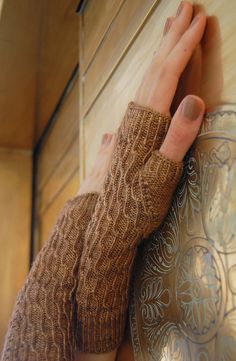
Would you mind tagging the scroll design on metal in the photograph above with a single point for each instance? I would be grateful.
(183, 296)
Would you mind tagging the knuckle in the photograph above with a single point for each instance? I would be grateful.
(175, 136)
(179, 134)
(180, 138)
(164, 70)
(185, 43)
(177, 29)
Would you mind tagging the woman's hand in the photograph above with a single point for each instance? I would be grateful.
(180, 38)
(145, 168)
(95, 179)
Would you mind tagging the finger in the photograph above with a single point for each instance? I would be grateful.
(183, 50)
(193, 73)
(174, 29)
(167, 26)
(170, 71)
(190, 81)
(184, 128)
(106, 139)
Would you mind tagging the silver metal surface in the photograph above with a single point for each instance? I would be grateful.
(183, 299)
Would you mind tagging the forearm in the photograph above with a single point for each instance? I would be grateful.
(145, 177)
(42, 322)
(135, 198)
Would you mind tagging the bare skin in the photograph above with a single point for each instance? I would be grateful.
(94, 181)
(157, 90)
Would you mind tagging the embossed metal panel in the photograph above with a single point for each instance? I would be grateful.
(183, 299)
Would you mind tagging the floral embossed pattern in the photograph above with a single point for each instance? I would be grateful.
(154, 297)
(183, 298)
(199, 291)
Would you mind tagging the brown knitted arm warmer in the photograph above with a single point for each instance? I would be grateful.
(135, 198)
(42, 324)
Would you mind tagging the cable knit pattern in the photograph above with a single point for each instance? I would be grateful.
(134, 201)
(42, 327)
(76, 294)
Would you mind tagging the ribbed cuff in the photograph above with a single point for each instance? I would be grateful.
(146, 108)
(101, 332)
(143, 124)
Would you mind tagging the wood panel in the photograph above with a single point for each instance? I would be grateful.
(15, 215)
(121, 32)
(58, 56)
(63, 172)
(105, 110)
(48, 218)
(58, 164)
(60, 137)
(219, 73)
(38, 52)
(19, 30)
(96, 17)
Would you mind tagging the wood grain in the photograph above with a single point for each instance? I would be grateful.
(58, 56)
(218, 85)
(63, 172)
(15, 215)
(58, 165)
(19, 30)
(38, 54)
(60, 137)
(128, 20)
(96, 17)
(48, 218)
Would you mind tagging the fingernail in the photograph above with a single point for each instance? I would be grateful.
(167, 26)
(109, 138)
(194, 21)
(104, 138)
(181, 5)
(191, 108)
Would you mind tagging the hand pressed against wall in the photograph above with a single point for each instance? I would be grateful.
(160, 81)
(181, 37)
(104, 229)
(95, 179)
(145, 168)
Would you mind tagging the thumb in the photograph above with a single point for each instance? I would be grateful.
(184, 128)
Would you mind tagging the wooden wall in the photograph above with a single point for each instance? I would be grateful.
(117, 39)
(114, 60)
(38, 55)
(58, 56)
(15, 216)
(38, 52)
(19, 33)
(114, 57)
(108, 82)
(58, 164)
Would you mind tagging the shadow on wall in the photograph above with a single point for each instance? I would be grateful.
(204, 74)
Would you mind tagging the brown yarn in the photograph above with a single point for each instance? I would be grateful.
(134, 201)
(42, 324)
(90, 253)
